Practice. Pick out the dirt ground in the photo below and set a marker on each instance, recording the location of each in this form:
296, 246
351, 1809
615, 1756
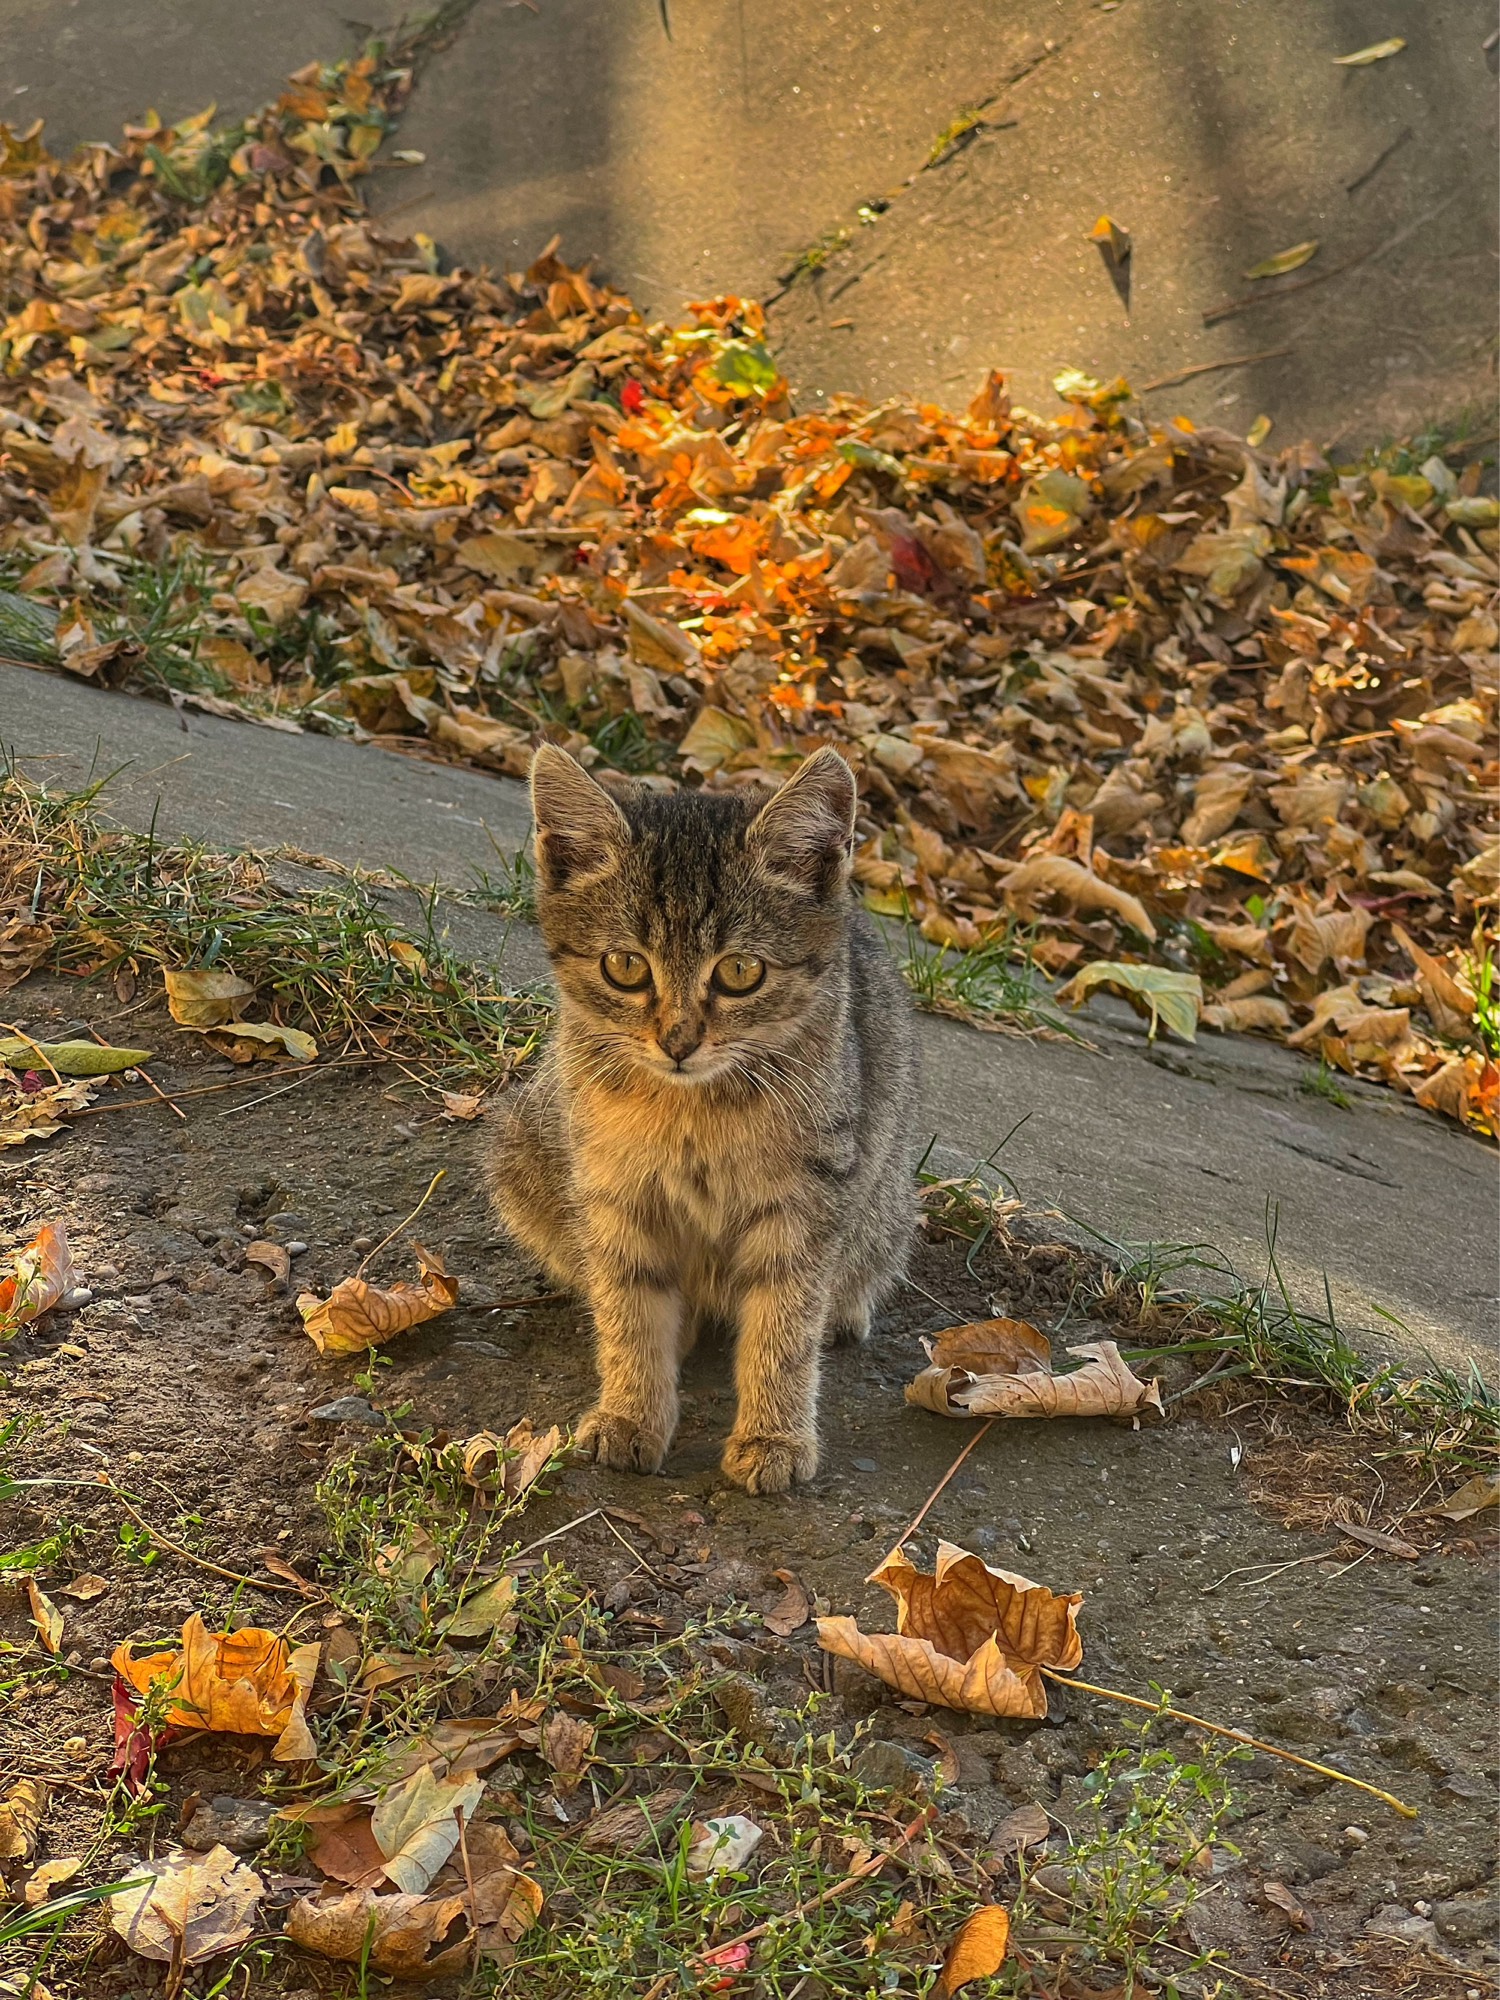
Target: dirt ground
193, 1384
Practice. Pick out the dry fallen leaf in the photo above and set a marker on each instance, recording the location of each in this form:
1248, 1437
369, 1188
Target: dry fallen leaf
1163, 996
488, 1610
1079, 887
967, 1637
1376, 52
45, 1616
273, 1258
205, 999
85, 1588
1003, 1368
254, 1041
42, 1273
21, 1813
402, 1936
511, 1464
1373, 1538
240, 1683
1280, 1897
567, 1743
357, 1315
190, 1907
43, 1881
791, 1610
1027, 1826
1284, 261
978, 1951
1472, 1498
416, 1827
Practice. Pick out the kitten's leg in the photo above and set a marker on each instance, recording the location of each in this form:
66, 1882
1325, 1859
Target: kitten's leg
848, 1323
783, 1307
530, 1186
638, 1315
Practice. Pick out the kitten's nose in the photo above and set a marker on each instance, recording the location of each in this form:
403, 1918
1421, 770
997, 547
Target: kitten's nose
679, 1040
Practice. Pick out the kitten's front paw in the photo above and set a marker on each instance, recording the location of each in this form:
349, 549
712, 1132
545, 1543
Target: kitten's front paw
769, 1465
619, 1442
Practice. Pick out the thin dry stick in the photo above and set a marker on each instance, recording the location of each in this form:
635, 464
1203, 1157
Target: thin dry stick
36, 1047
402, 1223
146, 1078
1210, 367
463, 1848
202, 1562
212, 1089
1236, 1736
931, 1500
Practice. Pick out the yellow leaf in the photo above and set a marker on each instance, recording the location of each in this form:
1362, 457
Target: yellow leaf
1285, 260
356, 1315
967, 1637
271, 1035
245, 1683
45, 1616
1376, 52
70, 1058
978, 1951
205, 999
1164, 997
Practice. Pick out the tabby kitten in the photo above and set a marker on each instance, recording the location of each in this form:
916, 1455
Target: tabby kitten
720, 1128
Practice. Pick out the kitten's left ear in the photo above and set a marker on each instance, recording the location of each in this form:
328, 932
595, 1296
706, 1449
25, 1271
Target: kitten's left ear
806, 833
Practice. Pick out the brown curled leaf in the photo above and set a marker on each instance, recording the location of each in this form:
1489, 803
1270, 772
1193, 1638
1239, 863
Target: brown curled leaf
357, 1315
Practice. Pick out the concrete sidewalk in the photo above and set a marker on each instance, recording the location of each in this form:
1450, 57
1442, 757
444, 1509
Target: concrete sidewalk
1172, 1144
747, 144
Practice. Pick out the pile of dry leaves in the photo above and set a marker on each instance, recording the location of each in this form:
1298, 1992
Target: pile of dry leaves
1176, 701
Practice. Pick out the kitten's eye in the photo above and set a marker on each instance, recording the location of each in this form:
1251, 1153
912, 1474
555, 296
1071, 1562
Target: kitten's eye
739, 973
626, 969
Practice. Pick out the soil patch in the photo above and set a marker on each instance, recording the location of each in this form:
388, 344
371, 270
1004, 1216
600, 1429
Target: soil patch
194, 1386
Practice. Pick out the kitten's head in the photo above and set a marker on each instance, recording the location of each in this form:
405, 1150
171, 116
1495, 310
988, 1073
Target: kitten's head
692, 933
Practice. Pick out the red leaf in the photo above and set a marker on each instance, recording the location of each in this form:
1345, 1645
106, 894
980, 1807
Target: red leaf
632, 398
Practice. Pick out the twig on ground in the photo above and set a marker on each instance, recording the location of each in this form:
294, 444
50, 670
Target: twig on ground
1235, 1736
1353, 187
392, 1234
201, 1562
928, 1503
146, 1078
1210, 367
212, 1089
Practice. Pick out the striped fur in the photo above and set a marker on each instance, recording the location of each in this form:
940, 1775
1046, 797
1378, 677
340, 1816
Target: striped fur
682, 1154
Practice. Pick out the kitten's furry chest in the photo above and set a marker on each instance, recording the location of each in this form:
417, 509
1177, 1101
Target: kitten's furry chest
693, 1170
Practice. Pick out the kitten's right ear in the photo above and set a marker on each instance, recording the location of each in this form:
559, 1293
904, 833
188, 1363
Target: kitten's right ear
579, 828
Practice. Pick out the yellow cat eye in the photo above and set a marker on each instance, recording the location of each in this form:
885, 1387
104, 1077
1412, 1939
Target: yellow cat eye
739, 973
626, 969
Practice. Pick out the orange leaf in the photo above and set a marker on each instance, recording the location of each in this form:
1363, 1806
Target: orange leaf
245, 1683
43, 1272
355, 1315
978, 1952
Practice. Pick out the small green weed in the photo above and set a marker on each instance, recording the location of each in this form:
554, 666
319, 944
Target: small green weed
1140, 1853
996, 985
1323, 1082
955, 134
509, 889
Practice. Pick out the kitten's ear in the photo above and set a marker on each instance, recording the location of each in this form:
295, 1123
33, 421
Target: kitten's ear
806, 833
579, 827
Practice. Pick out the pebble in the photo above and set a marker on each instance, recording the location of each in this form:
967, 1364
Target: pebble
364, 1243
347, 1410
1356, 1835
295, 1247
486, 1347
285, 1219
864, 1465
77, 1299
241, 1825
